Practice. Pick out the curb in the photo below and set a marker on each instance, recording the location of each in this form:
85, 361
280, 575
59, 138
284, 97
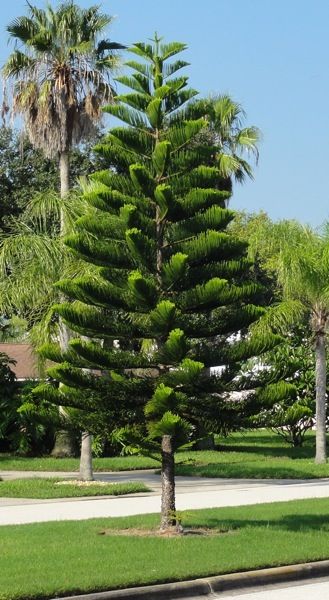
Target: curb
211, 585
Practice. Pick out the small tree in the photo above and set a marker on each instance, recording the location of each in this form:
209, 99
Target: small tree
293, 361
172, 285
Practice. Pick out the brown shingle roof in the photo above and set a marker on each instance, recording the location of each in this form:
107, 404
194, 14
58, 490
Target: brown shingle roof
26, 361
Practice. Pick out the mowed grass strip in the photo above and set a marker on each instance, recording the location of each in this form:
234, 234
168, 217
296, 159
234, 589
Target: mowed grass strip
63, 488
48, 463
236, 465
251, 455
45, 560
255, 455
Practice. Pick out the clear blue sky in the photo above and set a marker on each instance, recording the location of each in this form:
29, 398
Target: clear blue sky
273, 57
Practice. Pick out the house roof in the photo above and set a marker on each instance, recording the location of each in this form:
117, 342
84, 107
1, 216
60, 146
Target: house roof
26, 361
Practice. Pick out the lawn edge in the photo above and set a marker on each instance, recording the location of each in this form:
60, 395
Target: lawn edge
220, 583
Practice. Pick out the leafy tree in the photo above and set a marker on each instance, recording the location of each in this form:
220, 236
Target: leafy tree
7, 380
33, 257
22, 430
7, 376
170, 286
11, 434
292, 361
265, 238
25, 172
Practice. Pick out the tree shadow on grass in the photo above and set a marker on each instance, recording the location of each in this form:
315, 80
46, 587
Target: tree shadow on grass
306, 451
243, 470
302, 523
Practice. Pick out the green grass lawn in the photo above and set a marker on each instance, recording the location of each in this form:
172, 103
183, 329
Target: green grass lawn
48, 463
59, 488
44, 560
255, 454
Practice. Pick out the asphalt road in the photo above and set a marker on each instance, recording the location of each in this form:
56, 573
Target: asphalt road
319, 590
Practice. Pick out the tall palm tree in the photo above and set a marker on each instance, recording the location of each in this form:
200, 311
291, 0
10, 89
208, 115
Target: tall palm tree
233, 141
61, 80
304, 276
302, 268
62, 76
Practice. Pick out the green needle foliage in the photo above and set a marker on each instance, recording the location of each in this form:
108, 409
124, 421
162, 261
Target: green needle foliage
172, 288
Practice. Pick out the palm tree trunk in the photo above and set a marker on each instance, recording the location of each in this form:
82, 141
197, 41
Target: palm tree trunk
168, 508
86, 466
63, 440
64, 443
64, 173
321, 385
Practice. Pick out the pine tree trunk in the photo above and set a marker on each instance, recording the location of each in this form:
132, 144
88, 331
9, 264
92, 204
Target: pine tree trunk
86, 465
168, 509
321, 385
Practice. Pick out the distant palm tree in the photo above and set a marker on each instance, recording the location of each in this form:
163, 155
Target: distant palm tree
302, 268
233, 141
62, 77
304, 276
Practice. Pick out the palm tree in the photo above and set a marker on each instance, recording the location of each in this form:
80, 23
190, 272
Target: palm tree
304, 276
61, 81
62, 78
233, 141
300, 258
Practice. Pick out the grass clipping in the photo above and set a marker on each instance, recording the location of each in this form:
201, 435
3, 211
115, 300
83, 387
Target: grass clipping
45, 488
81, 483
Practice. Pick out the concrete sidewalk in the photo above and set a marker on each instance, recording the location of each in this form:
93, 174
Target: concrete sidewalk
191, 493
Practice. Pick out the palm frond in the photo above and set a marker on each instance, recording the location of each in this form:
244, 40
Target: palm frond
18, 64
22, 28
280, 318
71, 69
